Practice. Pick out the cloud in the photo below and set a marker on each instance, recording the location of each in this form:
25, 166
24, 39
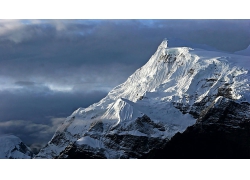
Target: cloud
37, 103
33, 134
25, 83
9, 26
19, 31
34, 114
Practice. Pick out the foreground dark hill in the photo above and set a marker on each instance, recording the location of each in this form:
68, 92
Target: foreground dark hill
223, 133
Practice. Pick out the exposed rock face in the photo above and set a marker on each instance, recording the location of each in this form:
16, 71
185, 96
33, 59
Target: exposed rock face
223, 132
117, 143
176, 89
11, 147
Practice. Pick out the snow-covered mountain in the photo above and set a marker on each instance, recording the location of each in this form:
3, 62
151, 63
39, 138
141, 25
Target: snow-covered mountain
174, 90
11, 147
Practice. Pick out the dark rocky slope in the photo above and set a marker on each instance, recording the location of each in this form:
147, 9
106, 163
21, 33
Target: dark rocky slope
223, 133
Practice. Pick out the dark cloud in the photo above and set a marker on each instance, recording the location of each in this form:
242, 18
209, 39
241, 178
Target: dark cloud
33, 134
49, 68
25, 83
53, 46
73, 52
37, 104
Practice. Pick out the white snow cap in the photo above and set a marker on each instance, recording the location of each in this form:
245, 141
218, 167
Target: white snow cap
164, 44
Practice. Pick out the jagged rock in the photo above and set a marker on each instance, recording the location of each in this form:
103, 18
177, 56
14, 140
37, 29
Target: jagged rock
222, 133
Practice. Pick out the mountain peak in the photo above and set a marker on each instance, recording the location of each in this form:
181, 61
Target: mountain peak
164, 44
172, 91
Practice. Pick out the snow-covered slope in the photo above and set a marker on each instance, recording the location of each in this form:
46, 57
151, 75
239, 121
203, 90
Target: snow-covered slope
11, 147
165, 96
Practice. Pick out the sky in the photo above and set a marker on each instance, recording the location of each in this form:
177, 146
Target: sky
49, 68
